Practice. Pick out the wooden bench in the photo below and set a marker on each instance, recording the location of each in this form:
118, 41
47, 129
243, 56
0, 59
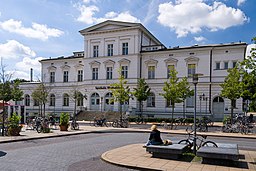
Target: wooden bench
173, 151
222, 152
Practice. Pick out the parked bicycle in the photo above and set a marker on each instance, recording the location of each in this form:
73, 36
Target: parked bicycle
99, 122
201, 125
200, 141
120, 123
74, 125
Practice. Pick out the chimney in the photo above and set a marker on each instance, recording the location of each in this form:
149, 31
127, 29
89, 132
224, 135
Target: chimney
31, 74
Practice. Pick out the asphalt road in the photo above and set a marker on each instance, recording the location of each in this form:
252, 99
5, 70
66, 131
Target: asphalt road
78, 152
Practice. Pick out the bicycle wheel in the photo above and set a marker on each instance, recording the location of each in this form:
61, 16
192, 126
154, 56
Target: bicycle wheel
125, 124
115, 123
209, 144
186, 142
39, 128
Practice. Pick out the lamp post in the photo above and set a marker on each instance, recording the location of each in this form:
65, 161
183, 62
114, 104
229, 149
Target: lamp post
200, 98
195, 81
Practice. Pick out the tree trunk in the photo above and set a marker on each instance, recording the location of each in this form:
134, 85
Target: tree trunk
3, 118
184, 110
172, 115
232, 110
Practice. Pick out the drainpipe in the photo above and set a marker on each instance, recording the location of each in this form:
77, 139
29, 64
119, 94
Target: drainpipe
210, 85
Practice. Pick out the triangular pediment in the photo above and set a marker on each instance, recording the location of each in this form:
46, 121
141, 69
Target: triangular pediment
192, 59
108, 25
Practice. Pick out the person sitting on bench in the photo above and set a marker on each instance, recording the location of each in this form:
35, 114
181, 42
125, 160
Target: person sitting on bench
154, 138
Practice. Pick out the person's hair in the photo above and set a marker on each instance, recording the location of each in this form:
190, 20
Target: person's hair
153, 127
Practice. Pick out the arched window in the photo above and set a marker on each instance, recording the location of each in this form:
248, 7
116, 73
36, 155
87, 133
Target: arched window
109, 99
52, 100
36, 102
95, 99
80, 99
218, 99
151, 100
27, 100
65, 100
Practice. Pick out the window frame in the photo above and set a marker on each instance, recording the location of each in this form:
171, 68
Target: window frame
52, 77
125, 48
151, 100
95, 73
65, 76
65, 100
79, 75
95, 51
110, 50
124, 71
109, 73
190, 69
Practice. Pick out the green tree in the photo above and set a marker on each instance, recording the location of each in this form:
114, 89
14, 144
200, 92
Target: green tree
76, 96
141, 93
185, 92
248, 67
121, 92
172, 90
40, 94
8, 90
231, 88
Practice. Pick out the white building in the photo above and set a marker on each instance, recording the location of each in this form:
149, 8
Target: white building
111, 45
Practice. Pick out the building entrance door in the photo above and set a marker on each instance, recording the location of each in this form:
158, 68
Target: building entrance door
95, 101
218, 108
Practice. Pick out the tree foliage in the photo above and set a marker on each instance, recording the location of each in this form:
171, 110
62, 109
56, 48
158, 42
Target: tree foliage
248, 68
141, 92
121, 91
40, 94
172, 90
232, 87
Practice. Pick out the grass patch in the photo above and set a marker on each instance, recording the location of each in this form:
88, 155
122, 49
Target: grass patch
188, 157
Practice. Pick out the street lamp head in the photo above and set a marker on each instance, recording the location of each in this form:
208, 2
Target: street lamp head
195, 78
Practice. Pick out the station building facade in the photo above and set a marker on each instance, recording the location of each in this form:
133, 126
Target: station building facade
113, 45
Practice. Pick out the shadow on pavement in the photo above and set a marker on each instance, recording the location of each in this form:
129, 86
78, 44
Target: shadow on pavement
2, 153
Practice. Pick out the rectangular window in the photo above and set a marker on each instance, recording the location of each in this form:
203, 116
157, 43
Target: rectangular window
110, 49
168, 104
95, 51
52, 77
124, 71
225, 65
65, 76
217, 66
80, 75
125, 48
191, 69
95, 73
190, 102
109, 73
234, 64
151, 72
169, 68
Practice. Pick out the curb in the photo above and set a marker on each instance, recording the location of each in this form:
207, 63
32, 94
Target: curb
122, 131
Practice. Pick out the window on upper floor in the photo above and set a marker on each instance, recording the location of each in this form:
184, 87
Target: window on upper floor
95, 51
190, 102
151, 100
80, 75
110, 49
27, 100
217, 65
191, 69
109, 73
52, 77
65, 76
151, 72
95, 73
234, 64
125, 48
124, 71
225, 65
52, 100
169, 69
65, 100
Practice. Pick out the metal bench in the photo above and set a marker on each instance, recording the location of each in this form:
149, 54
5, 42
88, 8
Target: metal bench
173, 151
222, 152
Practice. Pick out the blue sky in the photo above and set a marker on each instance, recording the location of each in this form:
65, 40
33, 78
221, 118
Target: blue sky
31, 30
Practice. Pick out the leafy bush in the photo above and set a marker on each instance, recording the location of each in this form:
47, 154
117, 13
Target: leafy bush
64, 118
14, 121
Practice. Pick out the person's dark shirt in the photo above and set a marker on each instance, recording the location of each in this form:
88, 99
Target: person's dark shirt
155, 136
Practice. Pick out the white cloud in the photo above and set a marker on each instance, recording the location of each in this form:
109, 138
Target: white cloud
87, 14
191, 16
200, 39
240, 2
13, 49
37, 31
23, 68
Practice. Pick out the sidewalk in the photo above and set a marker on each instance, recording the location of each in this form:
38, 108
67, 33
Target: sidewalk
135, 156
